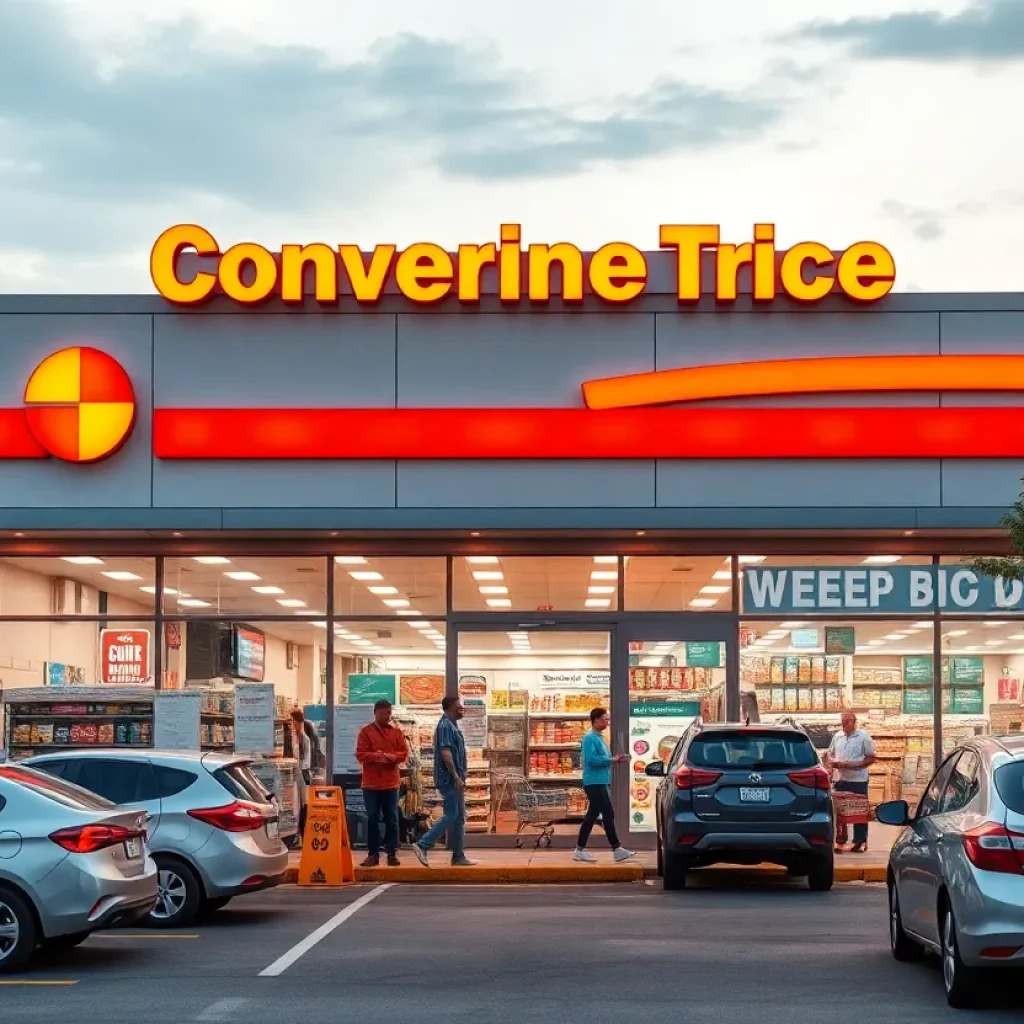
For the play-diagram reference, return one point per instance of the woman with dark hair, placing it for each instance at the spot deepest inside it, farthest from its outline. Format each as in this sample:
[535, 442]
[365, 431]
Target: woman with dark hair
[302, 737]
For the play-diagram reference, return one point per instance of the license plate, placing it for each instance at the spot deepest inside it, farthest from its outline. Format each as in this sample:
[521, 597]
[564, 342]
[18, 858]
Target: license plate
[273, 828]
[749, 795]
[133, 848]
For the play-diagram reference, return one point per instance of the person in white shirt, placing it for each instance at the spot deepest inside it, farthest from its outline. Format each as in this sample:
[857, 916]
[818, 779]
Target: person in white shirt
[850, 754]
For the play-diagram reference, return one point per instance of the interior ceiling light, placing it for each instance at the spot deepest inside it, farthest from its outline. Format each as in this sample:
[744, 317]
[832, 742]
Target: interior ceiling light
[382, 590]
[1017, 636]
[243, 577]
[991, 625]
[974, 647]
[421, 625]
[350, 560]
[875, 643]
[152, 590]
[715, 590]
[121, 576]
[396, 602]
[922, 625]
[956, 632]
[82, 560]
[600, 590]
[750, 559]
[321, 625]
[192, 602]
[488, 574]
[494, 590]
[366, 577]
[994, 643]
[498, 602]
[291, 602]
[408, 611]
[212, 560]
[603, 574]
[267, 590]
[895, 636]
[597, 602]
[704, 602]
[482, 559]
[722, 574]
[606, 559]
[881, 559]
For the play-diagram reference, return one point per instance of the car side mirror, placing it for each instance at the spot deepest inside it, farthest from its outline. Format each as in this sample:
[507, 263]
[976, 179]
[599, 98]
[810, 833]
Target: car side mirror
[656, 769]
[893, 812]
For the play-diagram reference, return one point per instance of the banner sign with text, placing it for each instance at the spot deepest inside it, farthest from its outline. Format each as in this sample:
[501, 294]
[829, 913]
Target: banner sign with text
[897, 589]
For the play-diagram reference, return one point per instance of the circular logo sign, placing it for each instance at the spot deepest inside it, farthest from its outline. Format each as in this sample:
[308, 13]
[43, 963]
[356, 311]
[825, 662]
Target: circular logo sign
[80, 405]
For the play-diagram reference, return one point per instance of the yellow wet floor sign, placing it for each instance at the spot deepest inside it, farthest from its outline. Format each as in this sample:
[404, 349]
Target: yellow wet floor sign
[326, 850]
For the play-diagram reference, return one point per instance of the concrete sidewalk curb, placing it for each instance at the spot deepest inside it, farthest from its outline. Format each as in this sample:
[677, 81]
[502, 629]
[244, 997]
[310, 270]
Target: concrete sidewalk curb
[558, 874]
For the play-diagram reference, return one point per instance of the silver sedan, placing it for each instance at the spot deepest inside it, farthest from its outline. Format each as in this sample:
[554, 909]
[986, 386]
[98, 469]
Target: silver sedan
[70, 864]
[956, 872]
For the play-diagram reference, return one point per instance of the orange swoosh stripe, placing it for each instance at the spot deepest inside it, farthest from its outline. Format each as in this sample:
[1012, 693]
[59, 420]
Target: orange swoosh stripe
[808, 376]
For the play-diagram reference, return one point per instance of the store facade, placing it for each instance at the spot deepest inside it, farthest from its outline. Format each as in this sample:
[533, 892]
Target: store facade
[515, 501]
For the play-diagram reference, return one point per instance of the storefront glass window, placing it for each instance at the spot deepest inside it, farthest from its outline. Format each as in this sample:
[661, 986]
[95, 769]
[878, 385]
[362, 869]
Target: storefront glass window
[85, 584]
[400, 587]
[810, 671]
[214, 585]
[982, 677]
[693, 583]
[537, 584]
[876, 584]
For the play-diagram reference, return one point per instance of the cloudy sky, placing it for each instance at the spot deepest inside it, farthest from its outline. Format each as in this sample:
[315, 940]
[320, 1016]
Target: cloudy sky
[434, 120]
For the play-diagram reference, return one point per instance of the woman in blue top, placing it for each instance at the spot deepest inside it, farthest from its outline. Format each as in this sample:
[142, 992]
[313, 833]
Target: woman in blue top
[597, 778]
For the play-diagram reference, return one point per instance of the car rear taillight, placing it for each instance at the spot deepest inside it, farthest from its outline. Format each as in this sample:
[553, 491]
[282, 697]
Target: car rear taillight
[812, 778]
[90, 838]
[694, 778]
[233, 817]
[994, 848]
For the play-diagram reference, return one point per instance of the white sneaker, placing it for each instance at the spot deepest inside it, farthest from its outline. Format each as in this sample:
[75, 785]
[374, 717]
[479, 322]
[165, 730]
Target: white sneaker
[421, 854]
[583, 857]
[623, 854]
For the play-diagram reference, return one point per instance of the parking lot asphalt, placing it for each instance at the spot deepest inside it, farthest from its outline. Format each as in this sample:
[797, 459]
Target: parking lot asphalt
[756, 950]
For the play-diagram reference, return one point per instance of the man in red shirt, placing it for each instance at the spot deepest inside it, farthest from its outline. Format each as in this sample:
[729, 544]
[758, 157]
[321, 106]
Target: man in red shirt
[380, 749]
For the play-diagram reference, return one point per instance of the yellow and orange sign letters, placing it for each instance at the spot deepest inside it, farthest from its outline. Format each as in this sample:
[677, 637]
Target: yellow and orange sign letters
[426, 273]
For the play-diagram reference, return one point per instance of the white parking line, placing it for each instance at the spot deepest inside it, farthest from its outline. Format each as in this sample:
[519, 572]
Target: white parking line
[282, 963]
[222, 1008]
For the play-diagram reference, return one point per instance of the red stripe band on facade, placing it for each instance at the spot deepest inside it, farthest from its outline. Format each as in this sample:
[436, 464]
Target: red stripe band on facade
[16, 440]
[638, 433]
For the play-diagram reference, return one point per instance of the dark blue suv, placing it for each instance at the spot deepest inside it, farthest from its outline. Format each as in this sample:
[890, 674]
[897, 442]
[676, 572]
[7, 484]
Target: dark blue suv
[744, 794]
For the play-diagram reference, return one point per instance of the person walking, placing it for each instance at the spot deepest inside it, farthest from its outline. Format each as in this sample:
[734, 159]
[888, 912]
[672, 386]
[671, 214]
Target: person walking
[450, 767]
[850, 754]
[381, 748]
[597, 779]
[301, 748]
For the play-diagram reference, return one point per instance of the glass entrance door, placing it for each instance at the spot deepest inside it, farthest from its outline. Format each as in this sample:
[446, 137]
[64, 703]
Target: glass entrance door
[528, 693]
[671, 676]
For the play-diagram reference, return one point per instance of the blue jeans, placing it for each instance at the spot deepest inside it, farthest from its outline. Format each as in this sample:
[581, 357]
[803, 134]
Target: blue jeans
[453, 821]
[860, 831]
[381, 803]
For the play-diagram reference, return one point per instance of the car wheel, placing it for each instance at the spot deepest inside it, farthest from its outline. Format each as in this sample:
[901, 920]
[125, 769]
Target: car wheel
[179, 894]
[19, 932]
[821, 874]
[904, 948]
[960, 981]
[673, 875]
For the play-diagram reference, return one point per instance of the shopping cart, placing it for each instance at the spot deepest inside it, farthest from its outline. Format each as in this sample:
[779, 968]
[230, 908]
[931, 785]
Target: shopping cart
[535, 808]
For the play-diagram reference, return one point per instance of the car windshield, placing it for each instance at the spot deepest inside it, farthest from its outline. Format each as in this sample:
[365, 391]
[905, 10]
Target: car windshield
[724, 750]
[1009, 780]
[239, 780]
[53, 788]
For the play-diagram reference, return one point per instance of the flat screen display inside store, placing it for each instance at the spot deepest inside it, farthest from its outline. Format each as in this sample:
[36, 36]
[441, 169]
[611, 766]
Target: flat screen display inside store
[893, 590]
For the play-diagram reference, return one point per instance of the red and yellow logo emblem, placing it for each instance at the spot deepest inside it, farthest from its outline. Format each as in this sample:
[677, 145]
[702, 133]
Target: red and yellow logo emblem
[80, 405]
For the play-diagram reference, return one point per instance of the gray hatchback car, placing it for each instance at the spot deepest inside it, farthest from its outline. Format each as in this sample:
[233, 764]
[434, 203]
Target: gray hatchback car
[744, 794]
[71, 863]
[956, 872]
[213, 827]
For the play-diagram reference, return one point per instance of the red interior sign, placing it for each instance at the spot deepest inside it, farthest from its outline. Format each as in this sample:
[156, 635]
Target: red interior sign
[124, 656]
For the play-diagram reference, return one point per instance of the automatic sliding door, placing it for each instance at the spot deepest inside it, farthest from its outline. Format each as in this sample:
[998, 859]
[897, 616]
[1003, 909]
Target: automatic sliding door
[528, 694]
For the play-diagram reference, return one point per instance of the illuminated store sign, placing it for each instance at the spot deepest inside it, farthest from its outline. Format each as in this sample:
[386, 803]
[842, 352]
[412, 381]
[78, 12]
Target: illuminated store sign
[426, 273]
